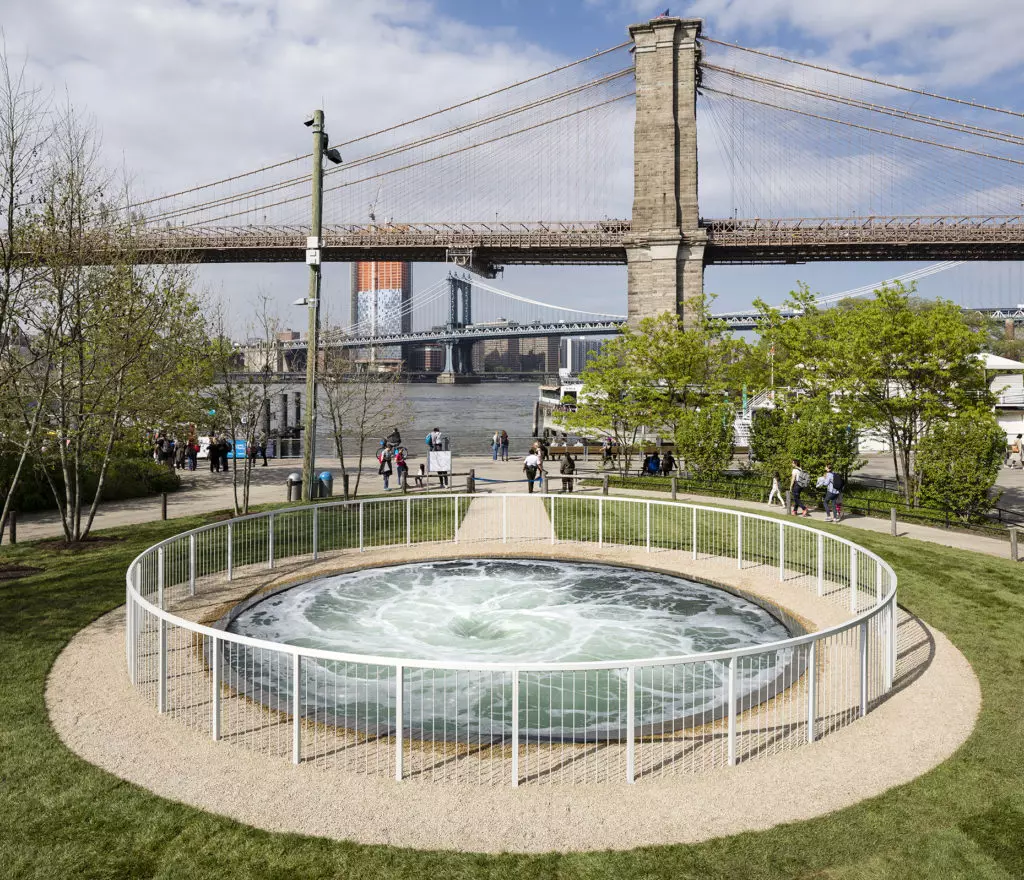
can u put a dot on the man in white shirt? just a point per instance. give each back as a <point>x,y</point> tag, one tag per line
<point>531,467</point>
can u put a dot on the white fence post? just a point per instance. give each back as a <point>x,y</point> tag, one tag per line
<point>821,564</point>
<point>600,522</point>
<point>853,580</point>
<point>648,526</point>
<point>316,532</point>
<point>160,577</point>
<point>812,691</point>
<point>504,519</point>
<point>552,519</point>
<point>631,720</point>
<point>455,502</point>
<point>739,541</point>
<point>360,526</point>
<point>270,541</point>
<point>161,691</point>
<point>693,537</point>
<point>408,521</point>
<point>863,669</point>
<point>215,689</point>
<point>191,565</point>
<point>731,699</point>
<point>296,708</point>
<point>894,613</point>
<point>515,727</point>
<point>231,551</point>
<point>782,551</point>
<point>878,583</point>
<point>399,698</point>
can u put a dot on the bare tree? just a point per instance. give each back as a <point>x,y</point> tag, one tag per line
<point>242,382</point>
<point>24,122</point>
<point>361,404</point>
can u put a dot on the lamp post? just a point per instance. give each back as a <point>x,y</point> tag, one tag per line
<point>313,254</point>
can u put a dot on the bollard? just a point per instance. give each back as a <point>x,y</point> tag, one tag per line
<point>471,482</point>
<point>163,505</point>
<point>13,520</point>
<point>546,485</point>
<point>892,521</point>
<point>674,486</point>
<point>604,484</point>
<point>1014,533</point>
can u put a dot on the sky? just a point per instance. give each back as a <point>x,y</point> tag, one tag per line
<point>187,91</point>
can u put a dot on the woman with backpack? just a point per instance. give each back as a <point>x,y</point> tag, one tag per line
<point>384,459</point>
<point>799,480</point>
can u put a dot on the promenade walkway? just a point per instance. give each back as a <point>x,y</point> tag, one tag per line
<point>205,492</point>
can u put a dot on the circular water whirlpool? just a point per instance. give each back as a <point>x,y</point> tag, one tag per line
<point>521,611</point>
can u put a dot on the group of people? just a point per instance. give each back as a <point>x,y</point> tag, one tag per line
<point>393,458</point>
<point>533,466</point>
<point>174,453</point>
<point>655,465</point>
<point>799,480</point>
<point>499,445</point>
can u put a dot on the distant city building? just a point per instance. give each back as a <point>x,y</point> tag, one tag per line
<point>575,351</point>
<point>381,306</point>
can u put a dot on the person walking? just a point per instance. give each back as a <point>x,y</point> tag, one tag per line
<point>504,445</point>
<point>531,467</point>
<point>668,463</point>
<point>567,468</point>
<point>776,491</point>
<point>799,480</point>
<point>384,464</point>
<point>496,444</point>
<point>401,466</point>
<point>825,482</point>
<point>262,447</point>
<point>1018,451</point>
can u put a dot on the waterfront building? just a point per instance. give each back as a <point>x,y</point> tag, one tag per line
<point>382,305</point>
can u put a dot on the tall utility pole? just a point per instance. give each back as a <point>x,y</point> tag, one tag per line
<point>313,251</point>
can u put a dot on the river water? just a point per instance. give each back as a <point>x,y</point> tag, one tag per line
<point>468,414</point>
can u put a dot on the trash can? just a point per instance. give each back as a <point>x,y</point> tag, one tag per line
<point>326,481</point>
<point>294,484</point>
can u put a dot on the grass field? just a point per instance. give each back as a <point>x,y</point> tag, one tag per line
<point>62,818</point>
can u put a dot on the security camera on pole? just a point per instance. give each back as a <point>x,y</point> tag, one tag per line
<point>313,251</point>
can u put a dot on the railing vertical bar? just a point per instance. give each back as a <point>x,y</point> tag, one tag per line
<point>270,541</point>
<point>316,533</point>
<point>504,519</point>
<point>515,727</point>
<point>408,521</point>
<point>231,551</point>
<point>215,689</point>
<point>863,669</point>
<point>361,536</point>
<point>648,529</point>
<point>399,714</point>
<point>455,500</point>
<point>739,541</point>
<point>731,707</point>
<point>782,551</point>
<point>600,522</point>
<point>821,564</point>
<point>552,519</point>
<point>693,537</point>
<point>812,691</point>
<point>853,580</point>
<point>631,719</point>
<point>192,564</point>
<point>296,708</point>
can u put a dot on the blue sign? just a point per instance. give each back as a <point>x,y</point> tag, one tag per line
<point>238,451</point>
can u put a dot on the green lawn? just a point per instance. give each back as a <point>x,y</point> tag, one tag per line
<point>62,818</point>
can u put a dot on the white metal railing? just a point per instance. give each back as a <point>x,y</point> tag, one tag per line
<point>511,722</point>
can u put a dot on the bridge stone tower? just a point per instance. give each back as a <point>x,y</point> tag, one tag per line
<point>665,248</point>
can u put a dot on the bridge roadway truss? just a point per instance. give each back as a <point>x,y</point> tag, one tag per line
<point>485,246</point>
<point>474,333</point>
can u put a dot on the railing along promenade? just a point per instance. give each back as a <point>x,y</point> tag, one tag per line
<point>415,718</point>
<point>600,242</point>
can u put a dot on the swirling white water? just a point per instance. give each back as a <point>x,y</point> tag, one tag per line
<point>514,611</point>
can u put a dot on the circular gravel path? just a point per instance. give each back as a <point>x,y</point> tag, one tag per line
<point>98,714</point>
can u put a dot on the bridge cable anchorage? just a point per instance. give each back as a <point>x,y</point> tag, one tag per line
<point>561,69</point>
<point>862,78</point>
<point>422,162</point>
<point>867,128</point>
<point>896,112</point>
<point>391,151</point>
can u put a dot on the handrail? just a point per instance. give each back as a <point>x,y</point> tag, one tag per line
<point>385,660</point>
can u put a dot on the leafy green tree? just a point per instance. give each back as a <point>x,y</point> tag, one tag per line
<point>704,439</point>
<point>959,462</point>
<point>809,429</point>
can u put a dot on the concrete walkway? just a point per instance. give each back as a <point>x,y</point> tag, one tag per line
<point>206,492</point>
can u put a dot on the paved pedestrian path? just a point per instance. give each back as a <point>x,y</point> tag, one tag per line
<point>205,492</point>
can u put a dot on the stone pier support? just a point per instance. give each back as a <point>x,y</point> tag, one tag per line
<point>665,248</point>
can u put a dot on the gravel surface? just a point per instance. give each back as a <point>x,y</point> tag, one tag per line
<point>102,718</point>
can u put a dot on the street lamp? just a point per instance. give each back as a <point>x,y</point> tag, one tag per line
<point>313,255</point>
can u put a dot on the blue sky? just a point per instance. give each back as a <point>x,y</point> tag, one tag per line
<point>192,90</point>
